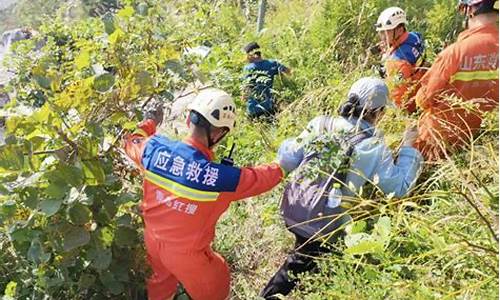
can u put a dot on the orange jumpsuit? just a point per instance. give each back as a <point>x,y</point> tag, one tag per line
<point>185,193</point>
<point>461,85</point>
<point>403,64</point>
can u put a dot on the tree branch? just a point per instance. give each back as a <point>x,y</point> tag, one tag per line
<point>485,220</point>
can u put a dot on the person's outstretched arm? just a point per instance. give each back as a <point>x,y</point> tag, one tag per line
<point>255,181</point>
<point>376,163</point>
<point>436,80</point>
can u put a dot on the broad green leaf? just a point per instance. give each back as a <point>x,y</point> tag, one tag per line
<point>438,242</point>
<point>11,157</point>
<point>82,60</point>
<point>120,271</point>
<point>100,258</point>
<point>79,214</point>
<point>125,236</point>
<point>125,220</point>
<point>56,280</point>
<point>116,36</point>
<point>109,23</point>
<point>130,125</point>
<point>43,115</point>
<point>12,123</point>
<point>356,227</point>
<point>119,117</point>
<point>93,172</point>
<point>126,198</point>
<point>86,281</point>
<point>21,234</point>
<point>42,81</point>
<point>115,183</point>
<point>50,206</point>
<point>126,12</point>
<point>365,247</point>
<point>75,237</point>
<point>30,197</point>
<point>104,82</point>
<point>144,80</point>
<point>110,208</point>
<point>383,229</point>
<point>56,190</point>
<point>66,174</point>
<point>36,253</point>
<point>10,289</point>
<point>8,209</point>
<point>168,53</point>
<point>109,281</point>
<point>4,190</point>
<point>370,272</point>
<point>142,9</point>
<point>354,239</point>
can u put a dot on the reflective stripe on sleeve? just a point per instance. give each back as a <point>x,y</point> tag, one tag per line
<point>475,75</point>
<point>181,190</point>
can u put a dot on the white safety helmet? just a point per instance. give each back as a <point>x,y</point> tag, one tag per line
<point>216,106</point>
<point>390,18</point>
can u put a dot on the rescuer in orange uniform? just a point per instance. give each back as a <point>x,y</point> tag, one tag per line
<point>185,193</point>
<point>461,85</point>
<point>403,57</point>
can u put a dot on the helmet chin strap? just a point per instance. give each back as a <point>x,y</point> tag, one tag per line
<point>201,122</point>
<point>211,142</point>
<point>394,38</point>
<point>467,17</point>
<point>209,137</point>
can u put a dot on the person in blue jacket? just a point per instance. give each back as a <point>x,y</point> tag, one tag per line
<point>403,58</point>
<point>372,161</point>
<point>259,76</point>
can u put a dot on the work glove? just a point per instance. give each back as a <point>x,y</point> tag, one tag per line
<point>410,135</point>
<point>290,155</point>
<point>154,111</point>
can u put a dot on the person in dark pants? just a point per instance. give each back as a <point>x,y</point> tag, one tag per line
<point>259,76</point>
<point>301,260</point>
<point>370,158</point>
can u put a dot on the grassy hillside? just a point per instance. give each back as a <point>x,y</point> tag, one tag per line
<point>441,240</point>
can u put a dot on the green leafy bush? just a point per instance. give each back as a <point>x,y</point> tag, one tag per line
<point>69,203</point>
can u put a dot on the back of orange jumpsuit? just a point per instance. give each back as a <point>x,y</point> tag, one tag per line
<point>461,85</point>
<point>404,67</point>
<point>185,193</point>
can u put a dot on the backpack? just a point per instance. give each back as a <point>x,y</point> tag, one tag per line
<point>304,200</point>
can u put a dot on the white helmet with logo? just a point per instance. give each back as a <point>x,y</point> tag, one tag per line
<point>390,18</point>
<point>216,106</point>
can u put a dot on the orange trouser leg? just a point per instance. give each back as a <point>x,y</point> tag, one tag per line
<point>429,142</point>
<point>444,133</point>
<point>162,284</point>
<point>204,273</point>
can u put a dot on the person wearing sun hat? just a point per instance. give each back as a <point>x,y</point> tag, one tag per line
<point>369,161</point>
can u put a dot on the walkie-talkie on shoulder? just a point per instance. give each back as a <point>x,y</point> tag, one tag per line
<point>228,160</point>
